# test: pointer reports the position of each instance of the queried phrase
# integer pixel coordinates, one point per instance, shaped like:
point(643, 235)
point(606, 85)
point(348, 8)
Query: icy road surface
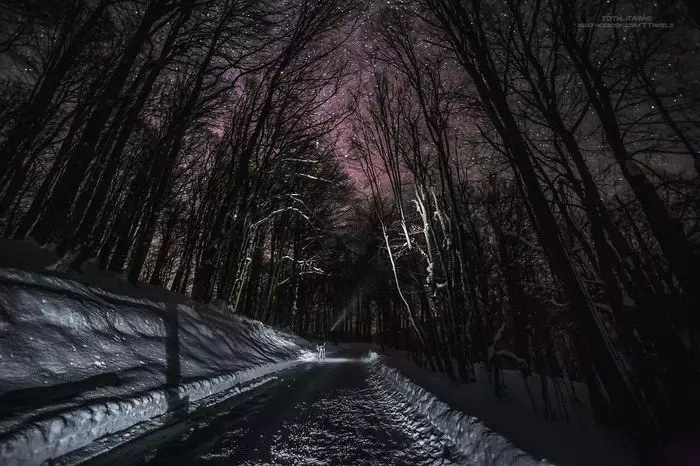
point(316, 413)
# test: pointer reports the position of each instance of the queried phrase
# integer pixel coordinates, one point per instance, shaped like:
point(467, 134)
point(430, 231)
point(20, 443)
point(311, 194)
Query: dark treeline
point(534, 185)
point(531, 195)
point(179, 143)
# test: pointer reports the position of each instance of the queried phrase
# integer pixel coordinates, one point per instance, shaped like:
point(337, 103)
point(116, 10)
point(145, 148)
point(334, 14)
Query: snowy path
point(315, 413)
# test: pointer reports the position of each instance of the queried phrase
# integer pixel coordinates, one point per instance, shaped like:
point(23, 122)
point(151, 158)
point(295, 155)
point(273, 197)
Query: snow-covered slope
point(478, 444)
point(472, 413)
point(80, 358)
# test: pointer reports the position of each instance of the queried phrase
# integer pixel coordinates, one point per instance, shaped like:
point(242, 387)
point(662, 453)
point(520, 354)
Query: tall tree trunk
point(667, 229)
point(33, 115)
point(164, 250)
point(593, 344)
point(53, 223)
point(92, 201)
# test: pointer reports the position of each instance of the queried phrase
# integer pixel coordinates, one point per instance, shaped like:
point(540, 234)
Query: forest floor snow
point(86, 355)
point(517, 415)
point(82, 357)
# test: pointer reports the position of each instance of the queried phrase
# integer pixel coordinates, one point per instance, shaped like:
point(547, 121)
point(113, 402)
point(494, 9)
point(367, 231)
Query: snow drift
point(475, 407)
point(476, 442)
point(80, 358)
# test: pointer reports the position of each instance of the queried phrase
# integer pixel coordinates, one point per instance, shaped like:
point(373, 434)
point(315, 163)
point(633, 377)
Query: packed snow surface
point(316, 413)
point(566, 435)
point(478, 444)
point(516, 416)
point(80, 359)
point(344, 410)
point(88, 357)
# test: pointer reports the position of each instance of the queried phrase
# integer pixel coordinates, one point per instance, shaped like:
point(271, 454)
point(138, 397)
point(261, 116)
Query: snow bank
point(56, 436)
point(579, 442)
point(479, 444)
point(81, 358)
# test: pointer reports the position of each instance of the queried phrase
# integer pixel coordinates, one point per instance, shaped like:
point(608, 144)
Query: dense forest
point(509, 183)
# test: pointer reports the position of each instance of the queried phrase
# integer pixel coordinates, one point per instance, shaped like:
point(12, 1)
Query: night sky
point(365, 56)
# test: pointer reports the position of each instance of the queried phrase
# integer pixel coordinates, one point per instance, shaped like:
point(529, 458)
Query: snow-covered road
point(314, 413)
